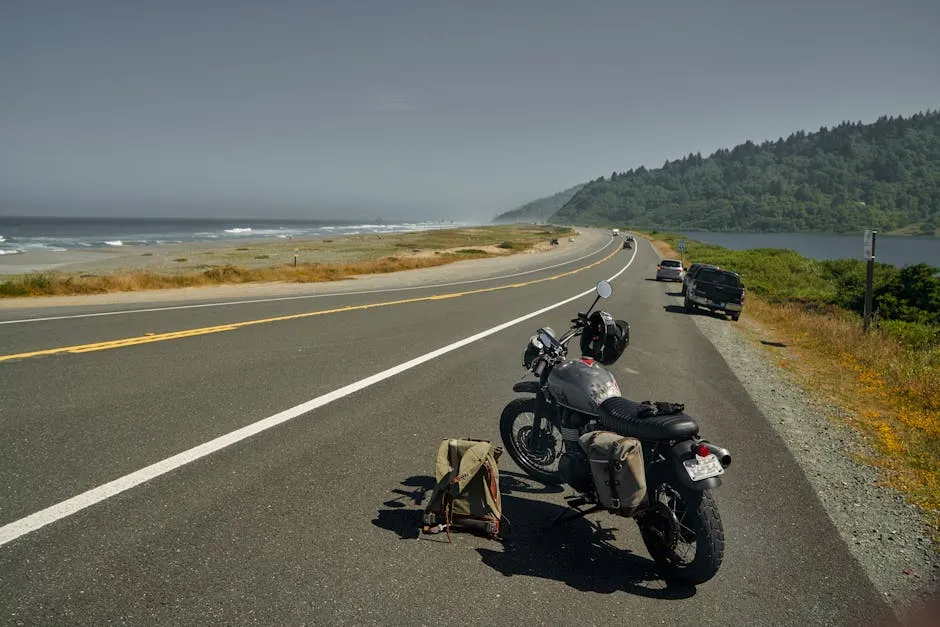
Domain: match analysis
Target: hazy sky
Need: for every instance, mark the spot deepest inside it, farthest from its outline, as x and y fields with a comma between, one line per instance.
x=439, y=108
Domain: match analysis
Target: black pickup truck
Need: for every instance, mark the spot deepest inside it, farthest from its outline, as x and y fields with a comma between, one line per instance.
x=717, y=290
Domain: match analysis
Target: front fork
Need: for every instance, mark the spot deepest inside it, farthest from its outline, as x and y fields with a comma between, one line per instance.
x=541, y=437
x=541, y=405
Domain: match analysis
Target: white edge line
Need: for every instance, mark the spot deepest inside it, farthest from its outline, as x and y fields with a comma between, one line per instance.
x=28, y=524
x=301, y=297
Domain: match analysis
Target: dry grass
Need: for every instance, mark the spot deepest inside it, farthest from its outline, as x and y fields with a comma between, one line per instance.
x=349, y=257
x=302, y=273
x=891, y=392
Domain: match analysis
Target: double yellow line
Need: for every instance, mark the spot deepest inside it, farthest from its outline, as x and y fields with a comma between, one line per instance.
x=175, y=335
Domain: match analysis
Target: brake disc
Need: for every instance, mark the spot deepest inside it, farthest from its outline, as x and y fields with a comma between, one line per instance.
x=544, y=456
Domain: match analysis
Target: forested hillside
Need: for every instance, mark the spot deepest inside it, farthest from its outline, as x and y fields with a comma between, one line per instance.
x=538, y=210
x=884, y=175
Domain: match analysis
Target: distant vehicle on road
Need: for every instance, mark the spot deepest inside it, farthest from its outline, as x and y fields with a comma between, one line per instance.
x=691, y=272
x=669, y=270
x=716, y=290
x=615, y=232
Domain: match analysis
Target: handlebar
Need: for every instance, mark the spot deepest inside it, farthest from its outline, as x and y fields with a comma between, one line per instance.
x=577, y=325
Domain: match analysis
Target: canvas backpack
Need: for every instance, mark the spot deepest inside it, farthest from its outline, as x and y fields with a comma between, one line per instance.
x=467, y=491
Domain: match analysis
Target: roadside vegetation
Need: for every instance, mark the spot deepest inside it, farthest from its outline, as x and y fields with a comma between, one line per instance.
x=352, y=256
x=889, y=378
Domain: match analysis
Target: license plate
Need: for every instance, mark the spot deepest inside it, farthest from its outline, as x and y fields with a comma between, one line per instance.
x=703, y=467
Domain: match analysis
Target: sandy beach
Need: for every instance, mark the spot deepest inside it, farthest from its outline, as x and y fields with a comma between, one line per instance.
x=250, y=253
x=258, y=253
x=174, y=258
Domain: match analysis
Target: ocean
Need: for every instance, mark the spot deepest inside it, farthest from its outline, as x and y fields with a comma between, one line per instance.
x=45, y=234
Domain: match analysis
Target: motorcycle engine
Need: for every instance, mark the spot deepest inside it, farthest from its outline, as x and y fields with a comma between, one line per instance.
x=573, y=465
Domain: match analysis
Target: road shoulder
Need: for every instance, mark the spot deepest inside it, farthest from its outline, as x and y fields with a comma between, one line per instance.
x=884, y=533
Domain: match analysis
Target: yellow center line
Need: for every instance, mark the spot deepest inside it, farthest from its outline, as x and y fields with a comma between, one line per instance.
x=173, y=335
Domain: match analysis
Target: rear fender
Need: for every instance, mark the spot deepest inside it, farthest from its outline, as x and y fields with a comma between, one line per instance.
x=680, y=452
x=530, y=387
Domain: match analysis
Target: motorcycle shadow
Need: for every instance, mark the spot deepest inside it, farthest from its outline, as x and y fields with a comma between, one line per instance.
x=579, y=553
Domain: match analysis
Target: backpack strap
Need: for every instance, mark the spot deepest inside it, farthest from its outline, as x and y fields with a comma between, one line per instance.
x=614, y=466
x=473, y=459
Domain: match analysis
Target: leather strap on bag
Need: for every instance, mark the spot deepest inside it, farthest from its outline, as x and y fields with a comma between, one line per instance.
x=614, y=466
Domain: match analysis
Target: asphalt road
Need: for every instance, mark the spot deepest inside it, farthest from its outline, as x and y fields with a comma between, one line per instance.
x=314, y=520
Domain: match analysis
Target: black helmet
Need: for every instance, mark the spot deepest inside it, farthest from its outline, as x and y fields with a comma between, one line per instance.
x=604, y=339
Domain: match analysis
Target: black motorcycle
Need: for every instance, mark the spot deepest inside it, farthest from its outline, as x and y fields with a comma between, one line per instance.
x=678, y=519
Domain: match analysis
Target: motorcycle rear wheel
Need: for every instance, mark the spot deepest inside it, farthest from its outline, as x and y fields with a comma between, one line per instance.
x=531, y=452
x=682, y=532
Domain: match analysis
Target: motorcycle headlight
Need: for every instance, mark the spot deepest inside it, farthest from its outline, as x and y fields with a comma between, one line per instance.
x=532, y=350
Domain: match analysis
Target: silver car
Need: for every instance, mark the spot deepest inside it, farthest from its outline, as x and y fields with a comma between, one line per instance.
x=669, y=270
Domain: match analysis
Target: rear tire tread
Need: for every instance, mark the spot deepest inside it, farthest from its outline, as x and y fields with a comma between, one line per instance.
x=710, y=541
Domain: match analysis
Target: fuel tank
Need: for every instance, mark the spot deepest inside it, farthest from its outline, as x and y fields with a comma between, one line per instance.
x=582, y=385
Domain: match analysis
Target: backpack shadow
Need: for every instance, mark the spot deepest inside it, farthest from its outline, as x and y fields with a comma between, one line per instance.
x=402, y=517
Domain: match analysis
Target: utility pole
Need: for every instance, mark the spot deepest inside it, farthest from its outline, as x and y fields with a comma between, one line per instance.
x=869, y=276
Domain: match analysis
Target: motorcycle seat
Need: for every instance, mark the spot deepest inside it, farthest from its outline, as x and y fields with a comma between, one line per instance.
x=633, y=419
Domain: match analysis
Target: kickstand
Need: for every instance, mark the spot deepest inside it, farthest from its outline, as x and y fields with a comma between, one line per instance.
x=561, y=518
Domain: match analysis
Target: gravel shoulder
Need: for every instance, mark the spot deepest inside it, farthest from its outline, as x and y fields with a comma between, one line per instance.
x=884, y=533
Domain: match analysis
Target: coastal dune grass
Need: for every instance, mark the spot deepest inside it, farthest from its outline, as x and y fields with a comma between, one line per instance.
x=888, y=381
x=361, y=255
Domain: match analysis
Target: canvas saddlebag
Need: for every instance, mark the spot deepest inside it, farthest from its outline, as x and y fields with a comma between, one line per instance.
x=617, y=468
x=467, y=491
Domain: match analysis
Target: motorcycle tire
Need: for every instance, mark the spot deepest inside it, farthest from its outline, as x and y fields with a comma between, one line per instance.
x=663, y=528
x=523, y=459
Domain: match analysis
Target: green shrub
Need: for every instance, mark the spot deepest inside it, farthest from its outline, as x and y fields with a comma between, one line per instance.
x=912, y=334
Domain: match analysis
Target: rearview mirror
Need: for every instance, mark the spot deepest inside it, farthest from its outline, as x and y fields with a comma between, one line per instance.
x=604, y=290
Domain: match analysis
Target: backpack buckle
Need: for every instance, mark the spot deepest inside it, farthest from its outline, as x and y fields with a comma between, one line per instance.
x=615, y=503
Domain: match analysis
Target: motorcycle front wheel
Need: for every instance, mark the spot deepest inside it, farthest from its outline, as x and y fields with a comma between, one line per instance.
x=536, y=454
x=682, y=532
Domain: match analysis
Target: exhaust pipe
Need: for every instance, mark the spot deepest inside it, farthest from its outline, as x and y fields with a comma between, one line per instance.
x=723, y=455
